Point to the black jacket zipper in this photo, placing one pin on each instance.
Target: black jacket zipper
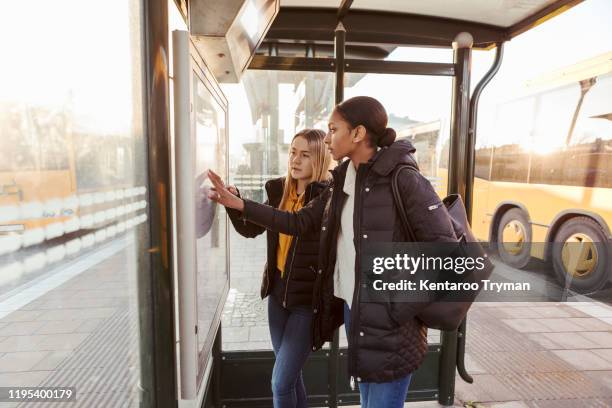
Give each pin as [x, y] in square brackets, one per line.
[289, 272]
[295, 244]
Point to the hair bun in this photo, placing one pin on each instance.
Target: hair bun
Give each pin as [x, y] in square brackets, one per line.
[387, 138]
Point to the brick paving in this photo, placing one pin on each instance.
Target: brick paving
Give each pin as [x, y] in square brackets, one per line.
[538, 355]
[81, 332]
[244, 319]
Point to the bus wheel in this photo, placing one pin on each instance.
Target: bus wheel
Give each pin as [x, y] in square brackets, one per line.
[579, 255]
[514, 238]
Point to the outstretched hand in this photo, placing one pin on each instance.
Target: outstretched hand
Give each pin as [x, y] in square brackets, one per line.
[221, 194]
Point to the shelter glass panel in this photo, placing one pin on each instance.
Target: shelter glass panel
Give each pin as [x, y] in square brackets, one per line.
[73, 200]
[419, 110]
[266, 109]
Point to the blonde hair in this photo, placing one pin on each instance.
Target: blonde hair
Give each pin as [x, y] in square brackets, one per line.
[321, 161]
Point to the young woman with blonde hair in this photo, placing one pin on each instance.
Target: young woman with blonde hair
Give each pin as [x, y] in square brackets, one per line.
[290, 271]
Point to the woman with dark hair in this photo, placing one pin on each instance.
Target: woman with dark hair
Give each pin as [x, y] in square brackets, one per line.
[291, 261]
[387, 343]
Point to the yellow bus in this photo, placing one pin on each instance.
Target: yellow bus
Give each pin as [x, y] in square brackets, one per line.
[52, 170]
[543, 173]
[37, 167]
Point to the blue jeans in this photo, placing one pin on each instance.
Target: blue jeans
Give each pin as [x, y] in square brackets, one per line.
[290, 330]
[380, 395]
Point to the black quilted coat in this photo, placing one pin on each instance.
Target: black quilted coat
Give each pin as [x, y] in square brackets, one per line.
[386, 341]
[296, 287]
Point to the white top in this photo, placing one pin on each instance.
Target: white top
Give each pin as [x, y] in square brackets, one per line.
[344, 271]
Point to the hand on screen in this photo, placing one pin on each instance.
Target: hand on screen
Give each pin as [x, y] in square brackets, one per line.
[205, 209]
[220, 193]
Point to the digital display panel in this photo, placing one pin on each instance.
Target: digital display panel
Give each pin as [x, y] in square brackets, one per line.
[210, 152]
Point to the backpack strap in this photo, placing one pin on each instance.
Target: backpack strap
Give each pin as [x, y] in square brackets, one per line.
[399, 203]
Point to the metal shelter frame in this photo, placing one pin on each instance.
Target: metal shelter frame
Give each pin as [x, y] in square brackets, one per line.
[236, 379]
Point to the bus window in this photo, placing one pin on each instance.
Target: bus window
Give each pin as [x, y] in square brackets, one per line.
[33, 139]
[590, 150]
[16, 151]
[51, 128]
[511, 138]
[595, 119]
[586, 162]
[484, 150]
[554, 117]
[425, 139]
[555, 110]
[444, 154]
[482, 165]
[426, 144]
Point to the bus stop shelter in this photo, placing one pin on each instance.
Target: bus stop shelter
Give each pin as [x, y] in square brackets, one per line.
[339, 37]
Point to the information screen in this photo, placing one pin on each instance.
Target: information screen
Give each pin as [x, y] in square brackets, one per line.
[210, 152]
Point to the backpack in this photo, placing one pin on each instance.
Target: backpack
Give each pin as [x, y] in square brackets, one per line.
[440, 314]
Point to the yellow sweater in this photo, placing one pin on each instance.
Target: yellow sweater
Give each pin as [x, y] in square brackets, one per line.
[293, 204]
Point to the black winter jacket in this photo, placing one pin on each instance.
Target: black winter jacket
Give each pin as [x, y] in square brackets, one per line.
[386, 340]
[300, 267]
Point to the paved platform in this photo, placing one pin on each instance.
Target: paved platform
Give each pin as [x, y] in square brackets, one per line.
[539, 355]
[76, 327]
